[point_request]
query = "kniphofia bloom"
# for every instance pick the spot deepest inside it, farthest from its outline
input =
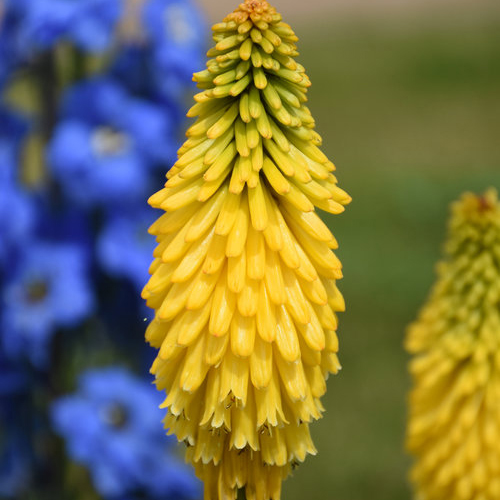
(454, 414)
(244, 278)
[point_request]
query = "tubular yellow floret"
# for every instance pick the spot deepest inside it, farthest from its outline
(454, 412)
(244, 277)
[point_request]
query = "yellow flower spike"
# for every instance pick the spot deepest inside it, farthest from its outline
(454, 411)
(244, 277)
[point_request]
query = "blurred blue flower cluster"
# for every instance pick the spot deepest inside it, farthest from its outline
(91, 110)
(111, 426)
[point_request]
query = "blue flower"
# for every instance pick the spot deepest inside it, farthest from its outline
(124, 247)
(103, 153)
(16, 210)
(111, 425)
(177, 32)
(48, 288)
(16, 217)
(89, 24)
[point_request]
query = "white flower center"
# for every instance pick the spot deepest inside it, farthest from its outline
(107, 141)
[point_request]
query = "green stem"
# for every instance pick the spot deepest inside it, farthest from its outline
(45, 72)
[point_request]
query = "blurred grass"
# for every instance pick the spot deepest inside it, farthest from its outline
(411, 116)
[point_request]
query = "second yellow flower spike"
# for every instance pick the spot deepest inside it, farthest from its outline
(454, 421)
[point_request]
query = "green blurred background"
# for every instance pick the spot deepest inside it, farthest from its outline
(407, 98)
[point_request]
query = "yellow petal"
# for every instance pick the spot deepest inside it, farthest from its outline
(216, 255)
(275, 177)
(211, 394)
(160, 280)
(273, 278)
(220, 165)
(171, 222)
(205, 218)
(209, 188)
(201, 125)
(256, 254)
(177, 247)
(326, 316)
(287, 341)
(195, 368)
(241, 138)
(297, 303)
(191, 323)
(280, 159)
(236, 272)
(194, 153)
(308, 222)
(257, 157)
(220, 144)
(292, 377)
(193, 259)
(237, 184)
(227, 214)
(259, 78)
(279, 137)
(244, 426)
(216, 348)
(261, 363)
(257, 206)
(319, 252)
(252, 134)
(248, 298)
(238, 234)
(312, 332)
(222, 307)
(196, 168)
(299, 439)
(242, 335)
(182, 198)
(246, 49)
(272, 233)
(175, 300)
(156, 332)
(244, 108)
(288, 252)
(254, 104)
(273, 447)
(268, 400)
(234, 377)
(266, 315)
(169, 348)
(264, 126)
(223, 123)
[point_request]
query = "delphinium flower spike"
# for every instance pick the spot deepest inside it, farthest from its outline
(244, 277)
(454, 417)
